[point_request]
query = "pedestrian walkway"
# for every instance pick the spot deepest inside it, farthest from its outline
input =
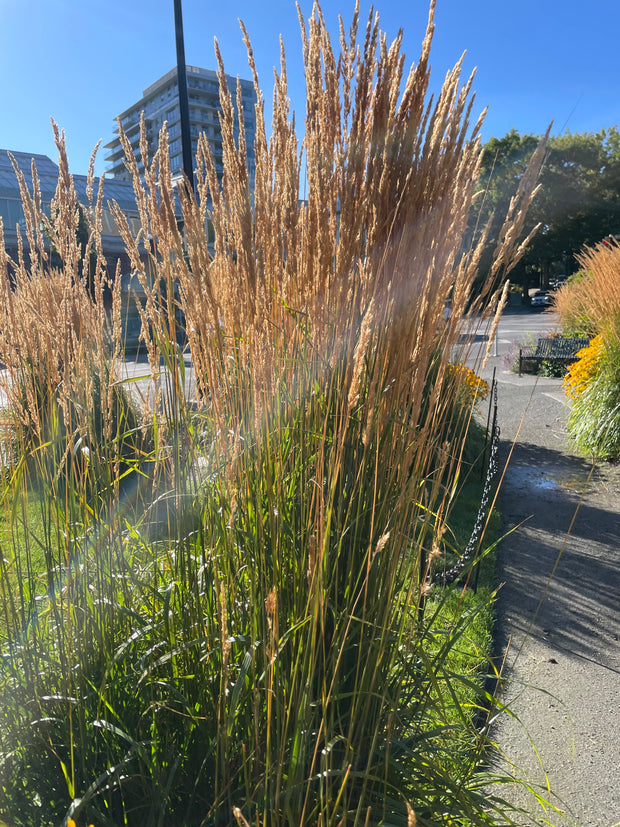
(558, 614)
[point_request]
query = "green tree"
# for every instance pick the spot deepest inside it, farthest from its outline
(578, 203)
(504, 162)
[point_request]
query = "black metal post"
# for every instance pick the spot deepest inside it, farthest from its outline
(186, 140)
(487, 433)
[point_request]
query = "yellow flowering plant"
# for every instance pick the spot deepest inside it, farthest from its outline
(593, 384)
(581, 372)
(472, 386)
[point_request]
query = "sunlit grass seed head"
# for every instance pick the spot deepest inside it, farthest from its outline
(264, 657)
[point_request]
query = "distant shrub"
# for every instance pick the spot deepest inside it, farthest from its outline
(552, 367)
(510, 359)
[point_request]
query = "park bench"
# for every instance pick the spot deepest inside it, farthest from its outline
(556, 348)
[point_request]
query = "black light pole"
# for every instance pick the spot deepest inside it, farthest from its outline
(186, 140)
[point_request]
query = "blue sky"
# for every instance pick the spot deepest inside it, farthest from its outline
(84, 62)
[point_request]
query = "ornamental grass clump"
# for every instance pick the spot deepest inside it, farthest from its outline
(591, 303)
(60, 345)
(267, 656)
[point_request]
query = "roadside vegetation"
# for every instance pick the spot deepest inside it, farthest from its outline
(578, 202)
(226, 606)
(589, 305)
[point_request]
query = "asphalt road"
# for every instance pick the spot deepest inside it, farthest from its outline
(559, 607)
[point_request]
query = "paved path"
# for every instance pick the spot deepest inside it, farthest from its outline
(137, 376)
(559, 611)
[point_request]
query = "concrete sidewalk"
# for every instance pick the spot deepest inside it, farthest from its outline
(558, 613)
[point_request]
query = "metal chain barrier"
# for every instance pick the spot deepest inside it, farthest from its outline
(446, 577)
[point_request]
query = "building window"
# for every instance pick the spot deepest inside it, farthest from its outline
(134, 223)
(12, 213)
(108, 224)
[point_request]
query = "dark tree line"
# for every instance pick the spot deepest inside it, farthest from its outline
(578, 203)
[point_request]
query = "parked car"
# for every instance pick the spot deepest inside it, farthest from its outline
(541, 298)
(558, 281)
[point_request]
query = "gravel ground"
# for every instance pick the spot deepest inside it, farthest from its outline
(558, 612)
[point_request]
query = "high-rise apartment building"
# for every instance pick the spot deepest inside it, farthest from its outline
(160, 102)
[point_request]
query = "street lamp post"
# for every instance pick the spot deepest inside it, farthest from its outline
(186, 141)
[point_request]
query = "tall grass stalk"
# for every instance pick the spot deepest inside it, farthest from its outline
(590, 302)
(249, 643)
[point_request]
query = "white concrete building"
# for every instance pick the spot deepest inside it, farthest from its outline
(160, 102)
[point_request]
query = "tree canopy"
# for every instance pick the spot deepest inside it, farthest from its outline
(578, 203)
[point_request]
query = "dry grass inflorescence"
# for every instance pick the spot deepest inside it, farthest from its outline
(590, 304)
(265, 654)
(61, 337)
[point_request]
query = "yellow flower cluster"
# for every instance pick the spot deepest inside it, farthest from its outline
(474, 387)
(580, 373)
